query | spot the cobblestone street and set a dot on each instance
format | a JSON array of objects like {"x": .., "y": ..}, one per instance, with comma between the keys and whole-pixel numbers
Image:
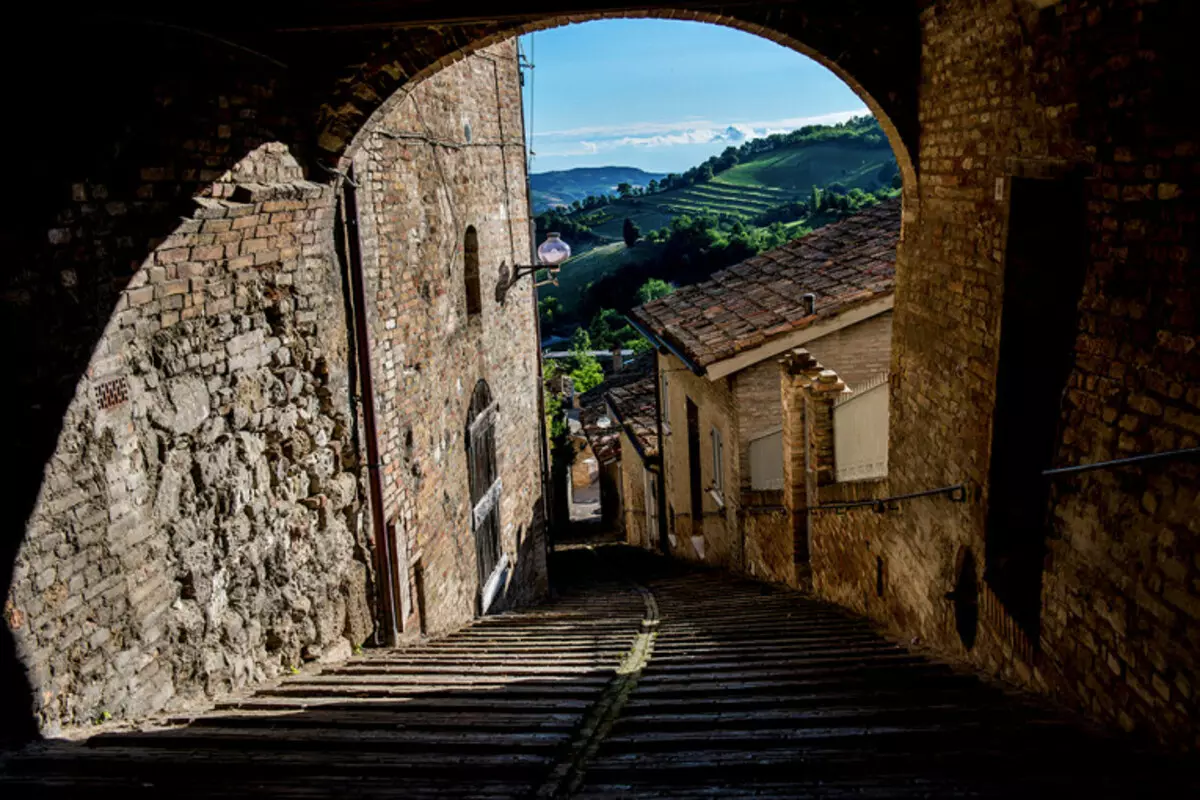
[{"x": 665, "y": 682}]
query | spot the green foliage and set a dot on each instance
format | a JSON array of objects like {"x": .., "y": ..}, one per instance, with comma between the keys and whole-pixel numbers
[
  {"x": 556, "y": 422},
  {"x": 588, "y": 375},
  {"x": 654, "y": 289},
  {"x": 586, "y": 372},
  {"x": 641, "y": 345},
  {"x": 630, "y": 232},
  {"x": 624, "y": 189},
  {"x": 549, "y": 310},
  {"x": 610, "y": 329}
]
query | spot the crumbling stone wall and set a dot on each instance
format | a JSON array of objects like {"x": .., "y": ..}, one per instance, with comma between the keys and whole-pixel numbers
[
  {"x": 199, "y": 528},
  {"x": 443, "y": 157}
]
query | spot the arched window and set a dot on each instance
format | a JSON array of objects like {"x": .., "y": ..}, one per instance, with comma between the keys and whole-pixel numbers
[
  {"x": 484, "y": 481},
  {"x": 471, "y": 271}
]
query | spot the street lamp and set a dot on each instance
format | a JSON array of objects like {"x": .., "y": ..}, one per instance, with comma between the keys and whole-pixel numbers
[{"x": 551, "y": 254}]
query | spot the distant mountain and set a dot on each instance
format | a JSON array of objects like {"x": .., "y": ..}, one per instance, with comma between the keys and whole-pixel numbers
[{"x": 562, "y": 187}]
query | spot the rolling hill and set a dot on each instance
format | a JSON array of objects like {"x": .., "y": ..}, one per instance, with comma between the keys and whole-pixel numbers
[
  {"x": 564, "y": 186},
  {"x": 591, "y": 265},
  {"x": 748, "y": 189}
]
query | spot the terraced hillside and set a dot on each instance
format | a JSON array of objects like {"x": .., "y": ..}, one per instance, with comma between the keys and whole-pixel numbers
[
  {"x": 592, "y": 265},
  {"x": 752, "y": 187}
]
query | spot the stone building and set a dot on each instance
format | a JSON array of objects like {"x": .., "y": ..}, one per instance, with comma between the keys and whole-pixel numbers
[
  {"x": 203, "y": 521},
  {"x": 445, "y": 217},
  {"x": 620, "y": 421},
  {"x": 1044, "y": 318},
  {"x": 730, "y": 498}
]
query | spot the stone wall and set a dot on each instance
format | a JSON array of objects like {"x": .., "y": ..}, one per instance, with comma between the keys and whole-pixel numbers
[
  {"x": 200, "y": 528},
  {"x": 446, "y": 156}
]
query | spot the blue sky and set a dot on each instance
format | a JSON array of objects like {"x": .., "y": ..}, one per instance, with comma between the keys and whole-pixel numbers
[{"x": 664, "y": 95}]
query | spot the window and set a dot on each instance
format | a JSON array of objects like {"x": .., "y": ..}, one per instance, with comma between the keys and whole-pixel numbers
[
  {"x": 766, "y": 462},
  {"x": 665, "y": 399},
  {"x": 471, "y": 271},
  {"x": 651, "y": 489},
  {"x": 718, "y": 466},
  {"x": 693, "y": 441}
]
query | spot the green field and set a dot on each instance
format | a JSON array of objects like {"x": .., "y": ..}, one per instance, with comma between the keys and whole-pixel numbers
[
  {"x": 591, "y": 265},
  {"x": 749, "y": 189}
]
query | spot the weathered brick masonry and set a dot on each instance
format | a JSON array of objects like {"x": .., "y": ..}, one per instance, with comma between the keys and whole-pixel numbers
[
  {"x": 1020, "y": 93},
  {"x": 425, "y": 182},
  {"x": 200, "y": 525},
  {"x": 974, "y": 93}
]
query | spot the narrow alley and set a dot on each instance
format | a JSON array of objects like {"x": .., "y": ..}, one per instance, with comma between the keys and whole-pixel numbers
[{"x": 668, "y": 682}]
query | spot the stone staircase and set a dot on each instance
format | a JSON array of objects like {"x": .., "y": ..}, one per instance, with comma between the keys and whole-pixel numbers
[{"x": 664, "y": 682}]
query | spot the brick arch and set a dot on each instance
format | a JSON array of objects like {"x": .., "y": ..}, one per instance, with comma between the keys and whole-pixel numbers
[{"x": 875, "y": 54}]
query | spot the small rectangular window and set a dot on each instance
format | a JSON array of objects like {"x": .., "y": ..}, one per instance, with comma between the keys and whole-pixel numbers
[
  {"x": 718, "y": 462},
  {"x": 665, "y": 399}
]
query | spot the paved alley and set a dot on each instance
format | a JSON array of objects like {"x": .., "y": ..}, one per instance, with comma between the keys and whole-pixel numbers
[{"x": 641, "y": 679}]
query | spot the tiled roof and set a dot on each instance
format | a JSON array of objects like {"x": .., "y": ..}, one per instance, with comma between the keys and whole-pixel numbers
[
  {"x": 605, "y": 441},
  {"x": 845, "y": 264},
  {"x": 637, "y": 407}
]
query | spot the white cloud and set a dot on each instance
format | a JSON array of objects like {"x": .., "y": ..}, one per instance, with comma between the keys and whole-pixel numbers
[
  {"x": 696, "y": 128},
  {"x": 603, "y": 138},
  {"x": 684, "y": 132}
]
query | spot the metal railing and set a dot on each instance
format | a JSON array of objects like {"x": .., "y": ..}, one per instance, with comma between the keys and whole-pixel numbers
[
  {"x": 1118, "y": 463},
  {"x": 956, "y": 493}
]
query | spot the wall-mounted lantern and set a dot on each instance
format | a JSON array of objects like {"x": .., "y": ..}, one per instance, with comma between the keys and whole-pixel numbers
[{"x": 551, "y": 255}]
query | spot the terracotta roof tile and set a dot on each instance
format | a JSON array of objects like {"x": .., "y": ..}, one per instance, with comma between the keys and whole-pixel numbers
[
  {"x": 637, "y": 407},
  {"x": 844, "y": 264},
  {"x": 605, "y": 441}
]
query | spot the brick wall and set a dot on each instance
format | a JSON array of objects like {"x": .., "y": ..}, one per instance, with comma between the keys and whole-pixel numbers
[
  {"x": 423, "y": 183},
  {"x": 859, "y": 352},
  {"x": 1090, "y": 87}
]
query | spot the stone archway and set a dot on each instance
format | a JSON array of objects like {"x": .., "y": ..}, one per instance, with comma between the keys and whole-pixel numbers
[{"x": 854, "y": 43}]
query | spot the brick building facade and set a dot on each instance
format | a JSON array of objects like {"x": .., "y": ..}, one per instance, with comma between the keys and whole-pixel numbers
[
  {"x": 202, "y": 524},
  {"x": 1008, "y": 118},
  {"x": 444, "y": 203}
]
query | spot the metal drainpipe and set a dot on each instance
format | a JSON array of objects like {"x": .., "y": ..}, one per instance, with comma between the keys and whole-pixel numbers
[{"x": 383, "y": 549}]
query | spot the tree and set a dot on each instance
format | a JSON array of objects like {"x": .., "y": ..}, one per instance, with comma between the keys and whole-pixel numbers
[
  {"x": 814, "y": 200},
  {"x": 654, "y": 289},
  {"x": 624, "y": 189},
  {"x": 549, "y": 309},
  {"x": 587, "y": 373},
  {"x": 630, "y": 232},
  {"x": 652, "y": 186}
]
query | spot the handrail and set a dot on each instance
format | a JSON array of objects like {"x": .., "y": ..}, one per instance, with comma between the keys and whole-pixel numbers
[
  {"x": 957, "y": 493},
  {"x": 1117, "y": 463}
]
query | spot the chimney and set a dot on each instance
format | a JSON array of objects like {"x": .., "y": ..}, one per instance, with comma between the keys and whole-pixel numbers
[
  {"x": 809, "y": 303},
  {"x": 616, "y": 356}
]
